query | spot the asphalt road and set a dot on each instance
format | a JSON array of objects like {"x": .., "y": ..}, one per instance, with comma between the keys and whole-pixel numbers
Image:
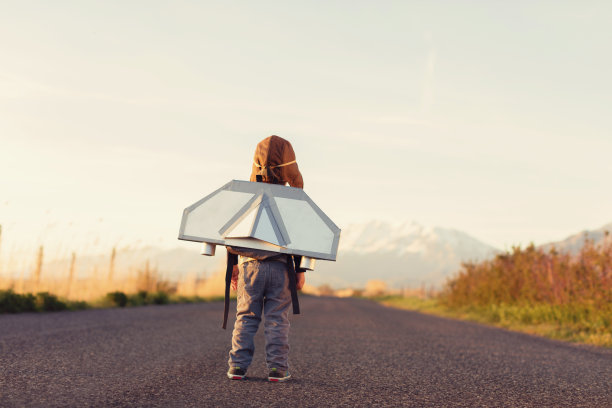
[{"x": 345, "y": 352}]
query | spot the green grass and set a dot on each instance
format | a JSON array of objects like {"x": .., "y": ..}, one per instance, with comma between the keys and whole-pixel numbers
[
  {"x": 11, "y": 302},
  {"x": 576, "y": 323},
  {"x": 144, "y": 298}
]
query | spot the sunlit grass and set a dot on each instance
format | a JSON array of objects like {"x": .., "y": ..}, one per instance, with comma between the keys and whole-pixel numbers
[
  {"x": 534, "y": 277},
  {"x": 11, "y": 302},
  {"x": 550, "y": 294},
  {"x": 570, "y": 323},
  {"x": 93, "y": 286},
  {"x": 36, "y": 291}
]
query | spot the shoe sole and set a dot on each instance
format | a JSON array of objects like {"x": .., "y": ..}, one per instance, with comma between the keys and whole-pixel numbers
[
  {"x": 236, "y": 377},
  {"x": 275, "y": 379}
]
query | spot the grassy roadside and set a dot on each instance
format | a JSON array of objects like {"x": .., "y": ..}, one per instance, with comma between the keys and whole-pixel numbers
[
  {"x": 11, "y": 302},
  {"x": 580, "y": 323},
  {"x": 551, "y": 293}
]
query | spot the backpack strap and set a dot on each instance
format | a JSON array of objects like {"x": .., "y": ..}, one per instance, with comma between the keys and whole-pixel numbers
[
  {"x": 293, "y": 284},
  {"x": 298, "y": 262},
  {"x": 232, "y": 260}
]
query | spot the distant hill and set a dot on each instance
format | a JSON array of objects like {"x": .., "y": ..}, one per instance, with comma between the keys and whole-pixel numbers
[
  {"x": 404, "y": 255},
  {"x": 170, "y": 263},
  {"x": 573, "y": 243}
]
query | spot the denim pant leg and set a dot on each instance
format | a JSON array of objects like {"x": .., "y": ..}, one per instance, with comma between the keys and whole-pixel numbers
[
  {"x": 276, "y": 314},
  {"x": 250, "y": 294}
]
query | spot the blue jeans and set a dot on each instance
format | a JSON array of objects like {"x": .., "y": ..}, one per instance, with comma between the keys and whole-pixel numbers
[{"x": 263, "y": 286}]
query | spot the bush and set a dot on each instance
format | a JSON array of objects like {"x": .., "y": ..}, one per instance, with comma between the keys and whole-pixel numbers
[
  {"x": 160, "y": 298},
  {"x": 117, "y": 298},
  {"x": 531, "y": 287},
  {"x": 11, "y": 302},
  {"x": 77, "y": 305},
  {"x": 532, "y": 276},
  {"x": 138, "y": 299},
  {"x": 47, "y": 302},
  {"x": 182, "y": 299}
]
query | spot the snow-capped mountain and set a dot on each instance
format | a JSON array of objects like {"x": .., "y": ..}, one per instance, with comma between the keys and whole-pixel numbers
[
  {"x": 573, "y": 243},
  {"x": 403, "y": 255}
]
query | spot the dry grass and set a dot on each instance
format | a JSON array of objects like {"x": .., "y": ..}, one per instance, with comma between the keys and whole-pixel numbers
[
  {"x": 532, "y": 276},
  {"x": 100, "y": 281},
  {"x": 552, "y": 294}
]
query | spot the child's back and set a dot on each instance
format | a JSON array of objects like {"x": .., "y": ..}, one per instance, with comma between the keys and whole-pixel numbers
[{"x": 263, "y": 285}]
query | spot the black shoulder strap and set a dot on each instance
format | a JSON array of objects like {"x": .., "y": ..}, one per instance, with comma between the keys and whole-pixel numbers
[
  {"x": 293, "y": 285},
  {"x": 298, "y": 261},
  {"x": 231, "y": 261}
]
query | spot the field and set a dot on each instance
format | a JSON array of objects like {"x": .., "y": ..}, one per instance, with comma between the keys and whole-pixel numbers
[
  {"x": 549, "y": 293},
  {"x": 553, "y": 294},
  {"x": 36, "y": 289}
]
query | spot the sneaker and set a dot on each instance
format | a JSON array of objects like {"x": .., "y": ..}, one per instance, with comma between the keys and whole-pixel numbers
[
  {"x": 276, "y": 375},
  {"x": 236, "y": 373}
]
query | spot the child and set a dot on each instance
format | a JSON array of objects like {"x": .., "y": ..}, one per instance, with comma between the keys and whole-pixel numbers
[{"x": 262, "y": 284}]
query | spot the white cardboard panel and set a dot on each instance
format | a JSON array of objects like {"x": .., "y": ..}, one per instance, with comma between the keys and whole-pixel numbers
[
  {"x": 265, "y": 231},
  {"x": 245, "y": 227},
  {"x": 253, "y": 243},
  {"x": 209, "y": 217},
  {"x": 262, "y": 216},
  {"x": 306, "y": 229}
]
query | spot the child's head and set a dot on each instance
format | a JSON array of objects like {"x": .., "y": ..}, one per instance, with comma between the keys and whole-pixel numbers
[{"x": 275, "y": 163}]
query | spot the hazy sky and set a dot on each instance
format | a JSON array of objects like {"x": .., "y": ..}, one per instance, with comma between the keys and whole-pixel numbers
[{"x": 490, "y": 117}]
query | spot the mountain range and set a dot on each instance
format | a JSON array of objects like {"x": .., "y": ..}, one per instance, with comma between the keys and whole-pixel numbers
[
  {"x": 406, "y": 255},
  {"x": 573, "y": 243}
]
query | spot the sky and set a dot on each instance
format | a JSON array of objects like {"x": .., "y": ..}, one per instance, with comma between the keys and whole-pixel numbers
[{"x": 490, "y": 117}]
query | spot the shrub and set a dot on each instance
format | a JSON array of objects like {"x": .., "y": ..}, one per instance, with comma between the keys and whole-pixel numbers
[
  {"x": 48, "y": 302},
  {"x": 11, "y": 302},
  {"x": 138, "y": 299},
  {"x": 533, "y": 287},
  {"x": 117, "y": 298},
  {"x": 160, "y": 298},
  {"x": 77, "y": 305},
  {"x": 532, "y": 276},
  {"x": 182, "y": 299}
]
